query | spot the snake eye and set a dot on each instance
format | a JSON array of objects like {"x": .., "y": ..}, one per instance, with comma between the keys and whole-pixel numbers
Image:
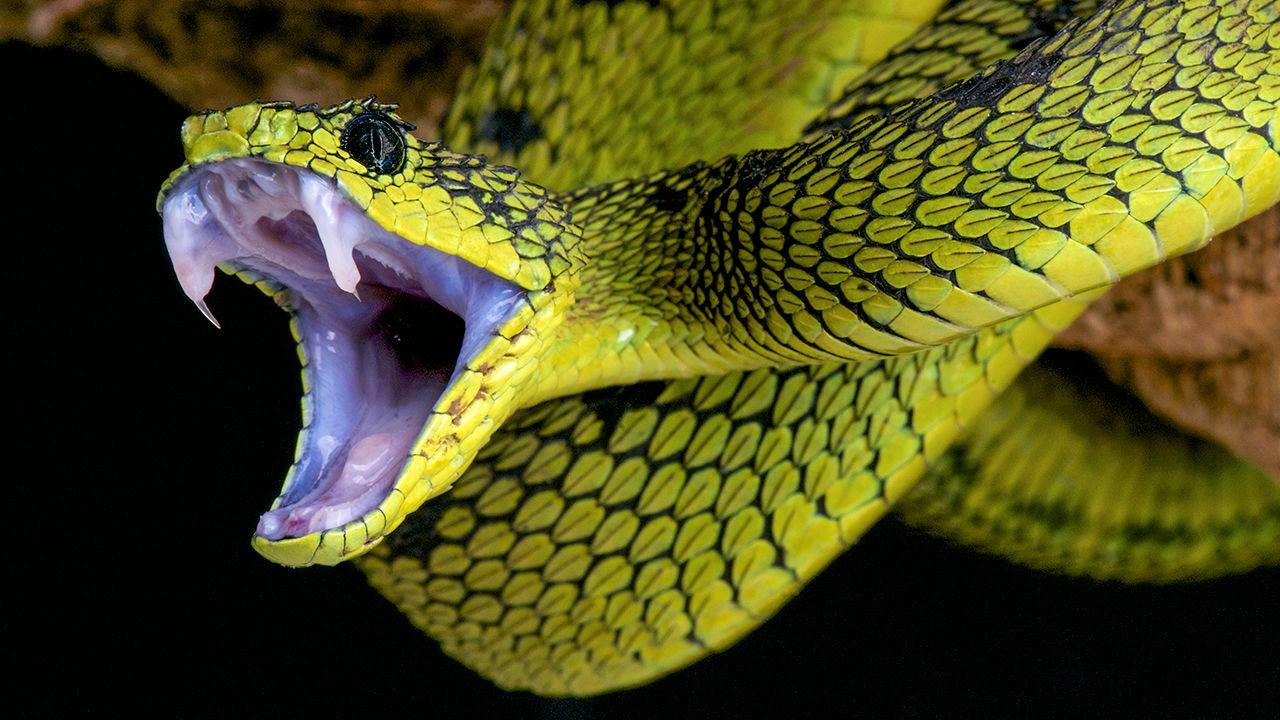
[{"x": 374, "y": 142}]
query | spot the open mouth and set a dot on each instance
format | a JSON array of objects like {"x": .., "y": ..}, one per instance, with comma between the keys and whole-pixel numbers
[{"x": 385, "y": 325}]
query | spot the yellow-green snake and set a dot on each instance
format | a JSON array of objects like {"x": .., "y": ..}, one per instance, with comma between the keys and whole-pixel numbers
[{"x": 800, "y": 333}]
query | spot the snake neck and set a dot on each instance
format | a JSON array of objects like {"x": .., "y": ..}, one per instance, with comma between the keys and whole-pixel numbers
[
  {"x": 760, "y": 260},
  {"x": 1015, "y": 189},
  {"x": 671, "y": 286},
  {"x": 776, "y": 258}
]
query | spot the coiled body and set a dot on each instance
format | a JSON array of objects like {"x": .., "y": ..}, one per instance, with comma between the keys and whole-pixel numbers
[
  {"x": 801, "y": 332},
  {"x": 601, "y": 540}
]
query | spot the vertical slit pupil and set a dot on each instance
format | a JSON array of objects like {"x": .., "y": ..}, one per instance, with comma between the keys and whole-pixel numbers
[{"x": 374, "y": 142}]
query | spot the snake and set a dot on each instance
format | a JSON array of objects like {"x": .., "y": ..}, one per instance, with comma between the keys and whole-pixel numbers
[{"x": 687, "y": 296}]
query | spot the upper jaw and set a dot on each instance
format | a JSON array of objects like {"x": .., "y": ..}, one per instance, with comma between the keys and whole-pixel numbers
[{"x": 395, "y": 336}]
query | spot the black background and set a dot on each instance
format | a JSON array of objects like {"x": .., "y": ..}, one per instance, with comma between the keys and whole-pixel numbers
[{"x": 148, "y": 443}]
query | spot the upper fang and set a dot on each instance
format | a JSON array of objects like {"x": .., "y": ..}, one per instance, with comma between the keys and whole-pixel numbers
[{"x": 326, "y": 210}]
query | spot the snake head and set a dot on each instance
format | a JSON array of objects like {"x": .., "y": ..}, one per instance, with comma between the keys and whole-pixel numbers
[{"x": 424, "y": 287}]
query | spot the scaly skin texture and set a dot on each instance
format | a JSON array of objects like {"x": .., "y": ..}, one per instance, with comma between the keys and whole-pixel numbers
[
  {"x": 1145, "y": 505},
  {"x": 698, "y": 81},
  {"x": 481, "y": 213},
  {"x": 964, "y": 38},
  {"x": 592, "y": 548},
  {"x": 600, "y": 541}
]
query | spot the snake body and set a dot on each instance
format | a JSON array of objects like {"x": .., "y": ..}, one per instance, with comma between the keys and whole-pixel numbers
[{"x": 801, "y": 333}]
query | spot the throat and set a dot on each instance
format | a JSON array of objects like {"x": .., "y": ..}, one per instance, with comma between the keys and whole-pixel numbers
[{"x": 375, "y": 382}]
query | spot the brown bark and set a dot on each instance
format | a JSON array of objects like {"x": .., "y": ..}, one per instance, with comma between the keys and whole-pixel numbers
[
  {"x": 222, "y": 53},
  {"x": 1198, "y": 339}
]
